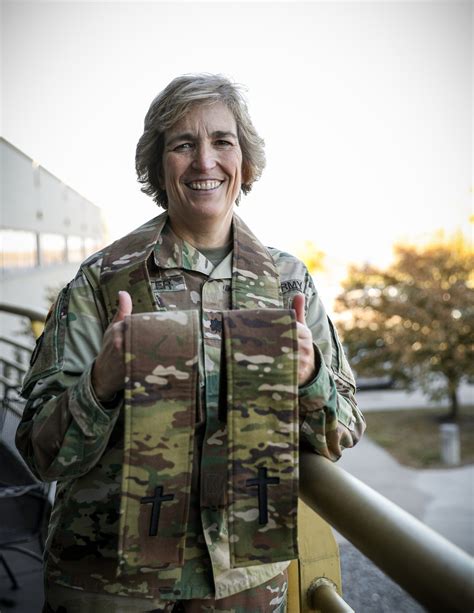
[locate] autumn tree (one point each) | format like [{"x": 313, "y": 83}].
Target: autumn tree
[
  {"x": 414, "y": 320},
  {"x": 311, "y": 256}
]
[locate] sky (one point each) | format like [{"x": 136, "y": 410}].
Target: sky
[{"x": 365, "y": 108}]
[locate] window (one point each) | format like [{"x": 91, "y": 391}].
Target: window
[
  {"x": 52, "y": 248},
  {"x": 75, "y": 251},
  {"x": 17, "y": 249},
  {"x": 90, "y": 246}
]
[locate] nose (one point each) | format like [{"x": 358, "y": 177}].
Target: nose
[{"x": 204, "y": 158}]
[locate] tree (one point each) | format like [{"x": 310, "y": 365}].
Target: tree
[
  {"x": 312, "y": 257},
  {"x": 414, "y": 320}
]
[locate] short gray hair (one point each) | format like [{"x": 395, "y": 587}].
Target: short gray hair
[{"x": 171, "y": 105}]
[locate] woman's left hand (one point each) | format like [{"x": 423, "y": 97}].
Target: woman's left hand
[{"x": 306, "y": 360}]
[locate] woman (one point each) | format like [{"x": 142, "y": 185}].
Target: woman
[{"x": 198, "y": 152}]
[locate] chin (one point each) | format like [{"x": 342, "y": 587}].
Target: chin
[{"x": 212, "y": 209}]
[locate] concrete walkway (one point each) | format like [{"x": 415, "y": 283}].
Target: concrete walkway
[
  {"x": 443, "y": 499},
  {"x": 398, "y": 400}
]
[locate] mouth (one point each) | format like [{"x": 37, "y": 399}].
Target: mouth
[{"x": 207, "y": 185}]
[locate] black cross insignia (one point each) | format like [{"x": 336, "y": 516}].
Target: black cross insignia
[
  {"x": 261, "y": 482},
  {"x": 157, "y": 499}
]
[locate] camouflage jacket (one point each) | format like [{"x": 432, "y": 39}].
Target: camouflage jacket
[{"x": 68, "y": 436}]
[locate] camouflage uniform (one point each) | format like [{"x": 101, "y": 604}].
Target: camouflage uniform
[
  {"x": 68, "y": 436},
  {"x": 270, "y": 597}
]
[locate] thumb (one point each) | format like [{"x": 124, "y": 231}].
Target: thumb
[
  {"x": 125, "y": 306},
  {"x": 298, "y": 305}
]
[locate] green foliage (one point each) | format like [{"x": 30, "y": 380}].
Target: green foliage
[
  {"x": 312, "y": 257},
  {"x": 414, "y": 320}
]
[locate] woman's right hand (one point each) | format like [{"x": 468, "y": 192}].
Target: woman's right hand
[{"x": 108, "y": 372}]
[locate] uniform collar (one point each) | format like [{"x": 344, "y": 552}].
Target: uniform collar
[
  {"x": 171, "y": 251},
  {"x": 255, "y": 280}
]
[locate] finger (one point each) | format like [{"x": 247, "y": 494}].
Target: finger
[
  {"x": 303, "y": 333},
  {"x": 118, "y": 332},
  {"x": 125, "y": 306},
  {"x": 298, "y": 305}
]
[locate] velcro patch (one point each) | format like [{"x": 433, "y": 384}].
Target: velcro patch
[
  {"x": 176, "y": 283},
  {"x": 293, "y": 285}
]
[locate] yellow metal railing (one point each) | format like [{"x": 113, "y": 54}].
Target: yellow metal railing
[
  {"x": 36, "y": 316},
  {"x": 439, "y": 575}
]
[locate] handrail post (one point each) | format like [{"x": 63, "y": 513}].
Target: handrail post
[{"x": 323, "y": 596}]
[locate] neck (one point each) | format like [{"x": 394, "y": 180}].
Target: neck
[{"x": 205, "y": 235}]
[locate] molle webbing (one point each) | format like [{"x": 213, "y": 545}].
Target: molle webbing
[
  {"x": 262, "y": 421},
  {"x": 161, "y": 358}
]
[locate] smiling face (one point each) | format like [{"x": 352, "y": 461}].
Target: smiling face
[{"x": 202, "y": 169}]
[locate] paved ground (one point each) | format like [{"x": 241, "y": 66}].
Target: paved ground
[
  {"x": 443, "y": 499},
  {"x": 367, "y": 589},
  {"x": 392, "y": 399}
]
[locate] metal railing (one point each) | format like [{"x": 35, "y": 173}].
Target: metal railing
[
  {"x": 439, "y": 575},
  {"x": 21, "y": 311},
  {"x": 14, "y": 362},
  {"x": 36, "y": 317},
  {"x": 14, "y": 366},
  {"x": 322, "y": 596}
]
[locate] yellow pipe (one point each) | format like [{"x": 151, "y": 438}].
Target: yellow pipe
[
  {"x": 439, "y": 575},
  {"x": 37, "y": 328},
  {"x": 323, "y": 597}
]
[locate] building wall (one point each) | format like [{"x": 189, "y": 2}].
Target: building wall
[
  {"x": 33, "y": 199},
  {"x": 46, "y": 229}
]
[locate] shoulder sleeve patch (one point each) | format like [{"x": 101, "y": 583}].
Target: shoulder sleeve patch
[
  {"x": 48, "y": 354},
  {"x": 292, "y": 285}
]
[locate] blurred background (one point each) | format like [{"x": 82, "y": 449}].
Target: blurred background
[
  {"x": 366, "y": 111},
  {"x": 365, "y": 108}
]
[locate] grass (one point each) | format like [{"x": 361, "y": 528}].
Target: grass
[{"x": 413, "y": 437}]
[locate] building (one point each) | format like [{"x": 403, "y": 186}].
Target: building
[{"x": 46, "y": 229}]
